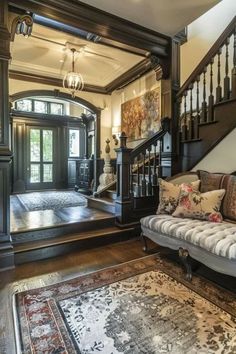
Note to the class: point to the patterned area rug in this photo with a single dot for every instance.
(53, 200)
(137, 307)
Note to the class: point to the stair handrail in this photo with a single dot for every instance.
(208, 57)
(103, 190)
(165, 127)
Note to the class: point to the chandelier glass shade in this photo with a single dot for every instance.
(73, 81)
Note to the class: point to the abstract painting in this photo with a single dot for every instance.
(140, 117)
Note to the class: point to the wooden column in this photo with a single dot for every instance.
(6, 249)
(170, 108)
(124, 199)
(97, 152)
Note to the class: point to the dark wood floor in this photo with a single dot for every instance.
(41, 273)
(22, 220)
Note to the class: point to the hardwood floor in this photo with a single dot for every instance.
(22, 220)
(41, 273)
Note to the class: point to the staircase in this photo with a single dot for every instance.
(207, 101)
(135, 192)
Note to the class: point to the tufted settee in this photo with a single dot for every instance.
(211, 243)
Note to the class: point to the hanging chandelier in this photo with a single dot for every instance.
(73, 81)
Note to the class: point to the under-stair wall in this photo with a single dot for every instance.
(221, 158)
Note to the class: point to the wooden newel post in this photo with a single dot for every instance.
(124, 198)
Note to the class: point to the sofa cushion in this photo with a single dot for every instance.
(209, 181)
(229, 201)
(217, 238)
(169, 195)
(200, 205)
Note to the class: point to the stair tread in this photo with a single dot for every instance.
(67, 239)
(208, 123)
(105, 200)
(190, 140)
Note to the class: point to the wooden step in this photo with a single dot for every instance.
(59, 230)
(103, 203)
(111, 194)
(42, 249)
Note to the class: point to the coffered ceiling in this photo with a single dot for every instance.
(47, 52)
(104, 63)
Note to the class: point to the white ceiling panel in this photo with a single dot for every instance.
(164, 16)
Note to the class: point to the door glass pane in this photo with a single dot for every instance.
(34, 145)
(56, 108)
(40, 106)
(47, 145)
(35, 173)
(24, 105)
(73, 142)
(47, 172)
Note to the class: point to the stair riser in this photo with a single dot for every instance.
(210, 135)
(78, 245)
(95, 203)
(111, 194)
(60, 230)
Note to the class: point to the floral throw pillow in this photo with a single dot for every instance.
(169, 194)
(203, 206)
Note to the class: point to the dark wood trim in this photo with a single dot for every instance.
(6, 249)
(121, 81)
(182, 36)
(94, 38)
(56, 94)
(46, 80)
(207, 58)
(133, 74)
(53, 119)
(97, 152)
(93, 20)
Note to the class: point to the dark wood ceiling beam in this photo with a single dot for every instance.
(131, 75)
(93, 20)
(123, 80)
(45, 80)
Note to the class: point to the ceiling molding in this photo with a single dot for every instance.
(46, 80)
(99, 22)
(123, 80)
(134, 73)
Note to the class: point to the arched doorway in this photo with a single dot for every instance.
(36, 113)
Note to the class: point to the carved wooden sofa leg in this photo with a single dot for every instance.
(183, 255)
(144, 242)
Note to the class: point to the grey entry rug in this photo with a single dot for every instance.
(134, 308)
(52, 200)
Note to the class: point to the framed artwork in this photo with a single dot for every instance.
(140, 117)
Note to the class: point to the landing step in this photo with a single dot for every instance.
(208, 123)
(37, 250)
(111, 194)
(91, 219)
(190, 140)
(104, 203)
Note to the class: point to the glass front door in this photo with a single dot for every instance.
(40, 158)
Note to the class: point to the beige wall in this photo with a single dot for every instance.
(222, 157)
(202, 33)
(97, 100)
